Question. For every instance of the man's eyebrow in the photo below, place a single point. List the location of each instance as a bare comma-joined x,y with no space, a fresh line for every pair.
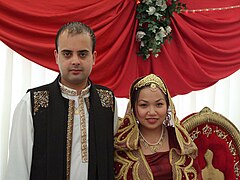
84,50
79,51
65,50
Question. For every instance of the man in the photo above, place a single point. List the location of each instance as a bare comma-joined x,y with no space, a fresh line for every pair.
64,130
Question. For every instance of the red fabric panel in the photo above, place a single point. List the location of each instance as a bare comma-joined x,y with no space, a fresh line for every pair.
204,49
200,53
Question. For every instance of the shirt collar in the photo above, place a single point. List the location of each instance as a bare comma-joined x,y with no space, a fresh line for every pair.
72,92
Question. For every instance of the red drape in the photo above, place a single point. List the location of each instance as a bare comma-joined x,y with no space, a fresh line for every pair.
204,49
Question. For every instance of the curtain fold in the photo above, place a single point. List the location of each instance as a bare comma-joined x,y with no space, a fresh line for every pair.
205,46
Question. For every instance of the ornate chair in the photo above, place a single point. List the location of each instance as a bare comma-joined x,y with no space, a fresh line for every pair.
218,142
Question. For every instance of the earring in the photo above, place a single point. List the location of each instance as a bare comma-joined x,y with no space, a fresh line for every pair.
166,122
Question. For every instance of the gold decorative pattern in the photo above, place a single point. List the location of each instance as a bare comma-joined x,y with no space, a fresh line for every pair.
83,135
207,130
228,131
69,135
72,92
131,164
237,169
194,134
151,79
232,148
106,98
68,91
41,99
221,134
80,111
183,166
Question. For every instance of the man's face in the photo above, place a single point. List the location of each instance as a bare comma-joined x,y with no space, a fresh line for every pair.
75,59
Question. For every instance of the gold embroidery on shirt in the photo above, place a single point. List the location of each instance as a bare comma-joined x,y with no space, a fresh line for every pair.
69,135
80,110
106,98
41,99
68,91
72,92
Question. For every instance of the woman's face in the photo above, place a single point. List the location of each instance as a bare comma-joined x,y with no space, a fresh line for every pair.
150,108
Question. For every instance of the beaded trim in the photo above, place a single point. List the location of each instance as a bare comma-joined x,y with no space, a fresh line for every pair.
106,98
41,99
83,130
69,136
73,92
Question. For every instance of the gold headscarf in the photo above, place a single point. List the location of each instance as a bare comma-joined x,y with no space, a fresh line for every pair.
126,139
128,133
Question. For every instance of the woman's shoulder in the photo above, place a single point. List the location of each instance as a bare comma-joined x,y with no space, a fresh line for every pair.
173,142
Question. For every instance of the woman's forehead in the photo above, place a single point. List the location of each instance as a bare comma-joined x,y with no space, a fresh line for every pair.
150,92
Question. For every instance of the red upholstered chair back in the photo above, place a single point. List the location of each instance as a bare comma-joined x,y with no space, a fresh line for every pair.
211,130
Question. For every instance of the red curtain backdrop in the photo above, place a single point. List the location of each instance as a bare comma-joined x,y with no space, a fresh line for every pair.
205,46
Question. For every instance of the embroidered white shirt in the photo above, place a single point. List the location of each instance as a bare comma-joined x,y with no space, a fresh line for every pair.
21,140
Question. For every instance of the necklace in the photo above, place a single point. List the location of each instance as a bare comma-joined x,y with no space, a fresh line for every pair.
154,147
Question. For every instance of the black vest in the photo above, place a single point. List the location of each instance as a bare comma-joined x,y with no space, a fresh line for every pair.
50,116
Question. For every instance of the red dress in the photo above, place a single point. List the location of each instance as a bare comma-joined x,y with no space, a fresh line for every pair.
159,162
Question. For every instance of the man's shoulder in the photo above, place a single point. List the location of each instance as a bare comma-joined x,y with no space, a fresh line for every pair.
103,90
98,86
44,87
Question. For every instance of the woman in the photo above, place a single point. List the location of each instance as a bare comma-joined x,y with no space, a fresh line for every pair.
150,142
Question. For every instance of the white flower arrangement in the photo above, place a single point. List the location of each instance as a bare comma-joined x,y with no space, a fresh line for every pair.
154,24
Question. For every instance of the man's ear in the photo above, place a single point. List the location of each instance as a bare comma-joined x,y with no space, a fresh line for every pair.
94,57
56,56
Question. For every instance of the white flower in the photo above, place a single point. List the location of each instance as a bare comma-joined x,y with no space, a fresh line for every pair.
160,35
168,29
162,32
147,56
163,7
159,2
158,15
142,44
156,55
151,10
140,35
162,4
147,2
